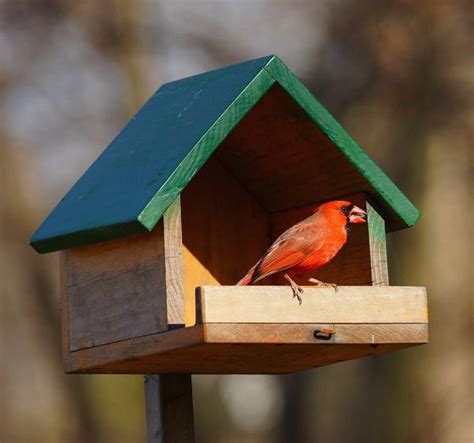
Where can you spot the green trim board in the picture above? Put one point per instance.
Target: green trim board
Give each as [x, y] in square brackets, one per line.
[203, 149]
[129, 187]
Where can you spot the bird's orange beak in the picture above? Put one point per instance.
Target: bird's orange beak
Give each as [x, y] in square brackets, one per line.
[357, 215]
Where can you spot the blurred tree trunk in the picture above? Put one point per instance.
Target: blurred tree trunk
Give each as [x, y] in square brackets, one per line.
[30, 289]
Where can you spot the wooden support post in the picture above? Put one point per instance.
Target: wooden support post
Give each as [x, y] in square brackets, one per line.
[169, 409]
[377, 247]
[173, 245]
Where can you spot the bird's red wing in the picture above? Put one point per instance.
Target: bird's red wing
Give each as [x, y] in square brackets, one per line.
[290, 249]
[280, 261]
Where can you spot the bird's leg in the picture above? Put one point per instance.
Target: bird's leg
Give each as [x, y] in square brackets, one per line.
[297, 290]
[322, 283]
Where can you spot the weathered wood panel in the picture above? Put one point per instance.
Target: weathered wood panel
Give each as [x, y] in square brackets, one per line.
[116, 290]
[275, 304]
[136, 349]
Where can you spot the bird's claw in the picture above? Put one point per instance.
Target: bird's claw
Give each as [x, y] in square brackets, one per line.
[297, 291]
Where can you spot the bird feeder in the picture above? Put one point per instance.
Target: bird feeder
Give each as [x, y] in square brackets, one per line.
[154, 236]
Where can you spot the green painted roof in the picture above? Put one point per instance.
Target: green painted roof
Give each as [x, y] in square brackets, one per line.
[131, 184]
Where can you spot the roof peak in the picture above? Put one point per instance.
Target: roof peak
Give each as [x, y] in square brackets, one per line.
[149, 163]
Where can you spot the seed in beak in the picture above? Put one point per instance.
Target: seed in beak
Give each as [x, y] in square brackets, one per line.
[357, 215]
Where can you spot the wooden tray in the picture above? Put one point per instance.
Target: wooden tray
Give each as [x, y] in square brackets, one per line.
[263, 330]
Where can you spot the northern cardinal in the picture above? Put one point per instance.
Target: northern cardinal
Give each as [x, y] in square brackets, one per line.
[308, 245]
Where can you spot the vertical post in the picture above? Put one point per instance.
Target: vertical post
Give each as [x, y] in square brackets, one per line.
[377, 246]
[173, 239]
[169, 398]
[169, 409]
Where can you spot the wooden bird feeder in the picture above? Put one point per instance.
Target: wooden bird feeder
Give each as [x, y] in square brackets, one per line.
[185, 200]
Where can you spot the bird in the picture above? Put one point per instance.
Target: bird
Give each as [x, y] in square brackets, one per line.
[308, 245]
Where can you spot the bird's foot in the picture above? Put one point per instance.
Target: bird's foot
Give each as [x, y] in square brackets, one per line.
[323, 284]
[297, 290]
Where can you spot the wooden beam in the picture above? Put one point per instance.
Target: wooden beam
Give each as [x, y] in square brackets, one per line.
[275, 304]
[345, 334]
[169, 408]
[174, 289]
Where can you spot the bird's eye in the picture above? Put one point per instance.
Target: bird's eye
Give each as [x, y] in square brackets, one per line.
[346, 209]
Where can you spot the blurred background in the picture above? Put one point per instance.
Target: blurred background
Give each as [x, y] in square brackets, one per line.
[398, 74]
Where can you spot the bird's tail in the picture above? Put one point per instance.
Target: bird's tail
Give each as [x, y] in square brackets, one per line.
[248, 278]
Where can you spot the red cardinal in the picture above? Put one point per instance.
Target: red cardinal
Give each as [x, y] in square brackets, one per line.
[308, 245]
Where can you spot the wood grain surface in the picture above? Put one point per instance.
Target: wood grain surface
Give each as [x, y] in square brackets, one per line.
[275, 304]
[173, 253]
[265, 347]
[225, 231]
[349, 333]
[116, 290]
[237, 358]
